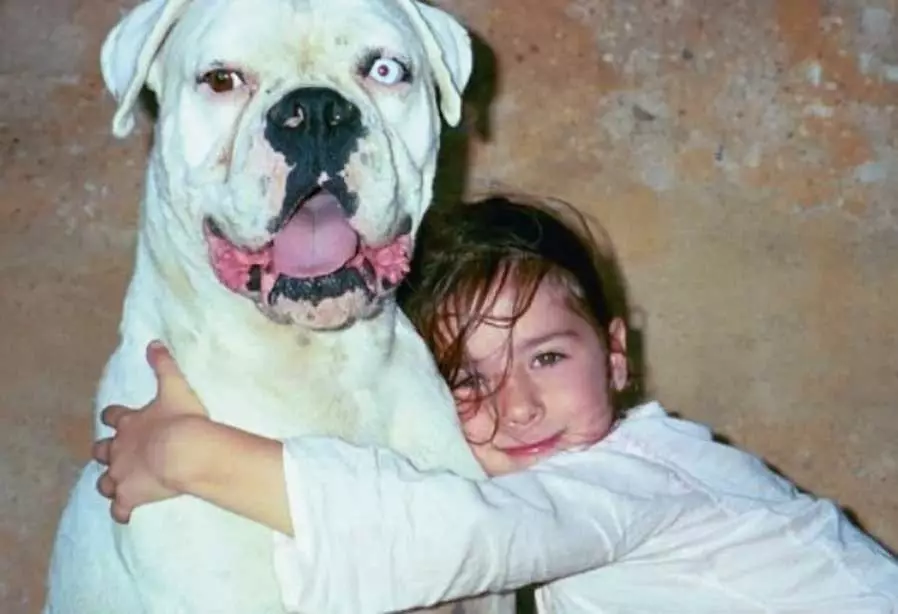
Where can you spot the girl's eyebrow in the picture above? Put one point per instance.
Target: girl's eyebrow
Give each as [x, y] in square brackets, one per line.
[520, 345]
[529, 344]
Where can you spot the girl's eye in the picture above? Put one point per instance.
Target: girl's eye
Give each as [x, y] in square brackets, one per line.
[223, 80]
[388, 71]
[469, 383]
[547, 359]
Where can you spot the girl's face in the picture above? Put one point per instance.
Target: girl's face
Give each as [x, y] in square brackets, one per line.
[541, 386]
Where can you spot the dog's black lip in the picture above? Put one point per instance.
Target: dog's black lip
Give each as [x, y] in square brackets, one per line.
[405, 226]
[214, 228]
[318, 289]
[275, 225]
[285, 216]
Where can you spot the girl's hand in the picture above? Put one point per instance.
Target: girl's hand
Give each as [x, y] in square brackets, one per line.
[141, 456]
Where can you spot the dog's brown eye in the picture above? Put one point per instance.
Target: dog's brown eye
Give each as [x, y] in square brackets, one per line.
[222, 80]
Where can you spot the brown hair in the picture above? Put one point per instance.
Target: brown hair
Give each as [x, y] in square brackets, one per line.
[466, 253]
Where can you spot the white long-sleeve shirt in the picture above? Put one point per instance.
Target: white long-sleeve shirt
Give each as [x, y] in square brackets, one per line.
[655, 518]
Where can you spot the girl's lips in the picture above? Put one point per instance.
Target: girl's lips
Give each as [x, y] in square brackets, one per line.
[533, 449]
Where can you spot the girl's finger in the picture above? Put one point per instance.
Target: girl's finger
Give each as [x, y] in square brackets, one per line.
[162, 362]
[106, 485]
[100, 450]
[120, 512]
[111, 415]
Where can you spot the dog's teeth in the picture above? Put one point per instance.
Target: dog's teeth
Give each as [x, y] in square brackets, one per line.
[368, 271]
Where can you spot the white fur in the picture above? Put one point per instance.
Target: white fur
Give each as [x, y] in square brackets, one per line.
[371, 382]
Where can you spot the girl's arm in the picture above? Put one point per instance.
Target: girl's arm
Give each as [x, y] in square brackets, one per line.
[171, 447]
[375, 534]
[232, 469]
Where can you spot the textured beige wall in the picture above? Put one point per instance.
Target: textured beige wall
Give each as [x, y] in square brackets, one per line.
[742, 155]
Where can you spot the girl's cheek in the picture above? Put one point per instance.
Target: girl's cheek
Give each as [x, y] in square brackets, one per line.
[491, 463]
[478, 427]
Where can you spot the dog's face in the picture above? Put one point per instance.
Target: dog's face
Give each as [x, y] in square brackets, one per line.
[296, 140]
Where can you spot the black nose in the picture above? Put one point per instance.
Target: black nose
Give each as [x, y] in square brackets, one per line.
[315, 110]
[317, 130]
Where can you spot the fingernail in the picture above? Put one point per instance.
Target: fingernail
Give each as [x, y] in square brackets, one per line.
[155, 344]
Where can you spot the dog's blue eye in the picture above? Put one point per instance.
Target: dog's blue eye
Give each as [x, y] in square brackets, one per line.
[388, 71]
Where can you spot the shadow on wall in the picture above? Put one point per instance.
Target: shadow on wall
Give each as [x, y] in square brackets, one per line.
[453, 164]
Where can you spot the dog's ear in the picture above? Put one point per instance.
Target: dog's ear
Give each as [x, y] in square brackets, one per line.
[449, 48]
[128, 54]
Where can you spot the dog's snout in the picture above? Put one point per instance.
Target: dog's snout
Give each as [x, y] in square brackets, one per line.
[317, 130]
[313, 109]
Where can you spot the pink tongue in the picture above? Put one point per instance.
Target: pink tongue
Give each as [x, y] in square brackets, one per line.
[317, 241]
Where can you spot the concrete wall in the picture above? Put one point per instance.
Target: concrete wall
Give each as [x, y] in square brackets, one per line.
[741, 155]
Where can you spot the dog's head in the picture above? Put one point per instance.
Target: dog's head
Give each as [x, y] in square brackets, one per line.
[296, 140]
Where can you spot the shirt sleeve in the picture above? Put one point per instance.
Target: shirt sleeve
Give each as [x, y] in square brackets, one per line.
[375, 534]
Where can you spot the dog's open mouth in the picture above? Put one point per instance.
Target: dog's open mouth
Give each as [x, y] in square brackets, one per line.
[316, 255]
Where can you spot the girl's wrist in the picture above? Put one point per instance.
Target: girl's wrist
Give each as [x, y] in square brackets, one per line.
[180, 456]
[232, 469]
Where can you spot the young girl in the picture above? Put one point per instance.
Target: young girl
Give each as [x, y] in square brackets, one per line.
[609, 513]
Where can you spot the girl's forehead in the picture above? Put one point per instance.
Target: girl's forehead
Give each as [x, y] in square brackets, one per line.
[521, 302]
[508, 320]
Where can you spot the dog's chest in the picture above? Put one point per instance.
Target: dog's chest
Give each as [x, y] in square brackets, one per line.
[328, 396]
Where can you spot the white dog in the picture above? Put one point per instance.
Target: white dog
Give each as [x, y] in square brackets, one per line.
[293, 159]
